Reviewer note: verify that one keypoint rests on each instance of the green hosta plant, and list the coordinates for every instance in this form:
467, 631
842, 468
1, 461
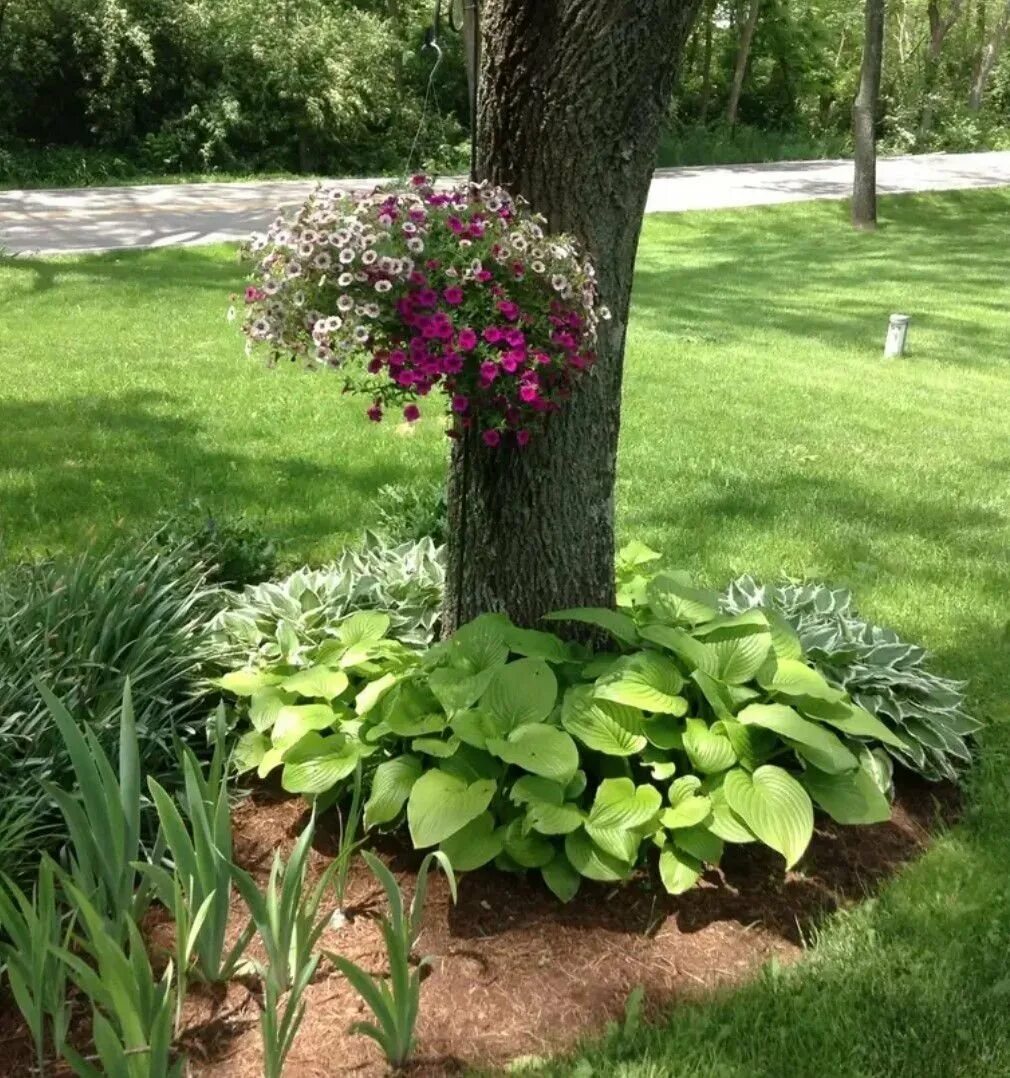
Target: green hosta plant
394, 1001
274, 621
306, 707
882, 673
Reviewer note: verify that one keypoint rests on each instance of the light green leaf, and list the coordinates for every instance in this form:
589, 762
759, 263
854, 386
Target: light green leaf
718, 694
295, 721
271, 758
609, 728
676, 600
590, 861
363, 627
732, 626
554, 819
710, 752
537, 645
785, 640
540, 749
474, 728
474, 845
635, 554
853, 798
664, 732
249, 750
725, 823
813, 742
480, 644
561, 878
316, 764
435, 746
700, 843
441, 804
775, 807
246, 682
753, 745
526, 848
618, 809
373, 692
318, 682
646, 680
620, 626
391, 786
738, 659
858, 722
265, 705
524, 691
679, 871
690, 651
456, 690
688, 807
532, 788
796, 681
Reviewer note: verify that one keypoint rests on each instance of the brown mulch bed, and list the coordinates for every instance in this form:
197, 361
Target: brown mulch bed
514, 972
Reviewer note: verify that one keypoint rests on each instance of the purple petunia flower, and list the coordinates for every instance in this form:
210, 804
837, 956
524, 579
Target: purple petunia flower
412, 413
491, 438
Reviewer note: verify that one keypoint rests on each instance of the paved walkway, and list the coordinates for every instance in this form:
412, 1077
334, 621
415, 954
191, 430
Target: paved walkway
106, 218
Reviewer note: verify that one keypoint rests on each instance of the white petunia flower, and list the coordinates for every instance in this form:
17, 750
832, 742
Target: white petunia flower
383, 286
344, 303
345, 279
347, 256
369, 257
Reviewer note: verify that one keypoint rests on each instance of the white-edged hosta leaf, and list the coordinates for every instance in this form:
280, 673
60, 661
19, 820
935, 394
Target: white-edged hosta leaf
774, 806
540, 749
441, 804
613, 729
475, 844
710, 752
822, 748
521, 692
391, 786
646, 680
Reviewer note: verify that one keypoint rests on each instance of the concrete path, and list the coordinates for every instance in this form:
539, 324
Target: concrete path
107, 218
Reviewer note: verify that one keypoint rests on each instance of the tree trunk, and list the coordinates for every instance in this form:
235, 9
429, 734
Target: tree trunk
573, 97
471, 54
990, 54
706, 62
939, 27
864, 119
742, 56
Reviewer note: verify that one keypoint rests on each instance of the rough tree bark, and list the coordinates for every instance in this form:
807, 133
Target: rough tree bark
864, 119
573, 95
742, 56
990, 54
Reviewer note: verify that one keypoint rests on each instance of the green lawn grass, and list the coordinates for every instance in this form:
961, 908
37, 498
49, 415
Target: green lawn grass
762, 432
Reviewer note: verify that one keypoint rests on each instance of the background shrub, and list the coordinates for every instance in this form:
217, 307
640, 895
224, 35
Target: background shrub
408, 512
81, 627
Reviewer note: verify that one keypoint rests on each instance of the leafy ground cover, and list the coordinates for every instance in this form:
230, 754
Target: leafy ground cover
762, 433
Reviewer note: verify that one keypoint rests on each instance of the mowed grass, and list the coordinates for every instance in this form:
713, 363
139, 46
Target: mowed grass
762, 432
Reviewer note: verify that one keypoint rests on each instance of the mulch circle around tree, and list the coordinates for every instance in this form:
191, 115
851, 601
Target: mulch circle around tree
514, 972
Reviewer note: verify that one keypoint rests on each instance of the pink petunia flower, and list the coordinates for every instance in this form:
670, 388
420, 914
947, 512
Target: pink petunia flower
453, 295
522, 437
460, 404
467, 340
491, 438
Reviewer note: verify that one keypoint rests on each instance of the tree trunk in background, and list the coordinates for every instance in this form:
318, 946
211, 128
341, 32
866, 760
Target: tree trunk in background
939, 28
990, 54
864, 119
573, 96
742, 56
471, 38
706, 63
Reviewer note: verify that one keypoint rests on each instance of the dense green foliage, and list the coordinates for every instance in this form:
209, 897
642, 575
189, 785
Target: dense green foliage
80, 627
94, 91
323, 86
880, 671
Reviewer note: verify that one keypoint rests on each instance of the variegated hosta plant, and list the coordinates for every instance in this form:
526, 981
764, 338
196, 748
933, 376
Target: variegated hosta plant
513, 747
879, 670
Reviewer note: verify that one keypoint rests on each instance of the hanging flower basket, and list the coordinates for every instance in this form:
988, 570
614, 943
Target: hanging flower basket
411, 289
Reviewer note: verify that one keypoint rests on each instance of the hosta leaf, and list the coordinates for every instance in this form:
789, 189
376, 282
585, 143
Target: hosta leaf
265, 705
620, 626
554, 819
391, 786
296, 720
537, 645
690, 651
635, 554
441, 804
561, 878
373, 692
363, 627
271, 758
475, 844
699, 842
246, 682
609, 728
435, 746
524, 691
675, 599
794, 680
618, 809
526, 848
710, 752
860, 723
456, 690
732, 626
480, 644
319, 682
717, 693
590, 861
738, 659
474, 728
812, 741
785, 640
774, 806
678, 870
752, 744
646, 680
725, 823
688, 808
249, 751
664, 732
532, 788
577, 787
539, 749
852, 798
316, 764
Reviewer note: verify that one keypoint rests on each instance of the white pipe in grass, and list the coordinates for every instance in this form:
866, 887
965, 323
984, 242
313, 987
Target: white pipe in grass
897, 336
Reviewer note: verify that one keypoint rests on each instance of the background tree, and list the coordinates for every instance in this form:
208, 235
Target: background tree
742, 56
864, 119
989, 55
573, 97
